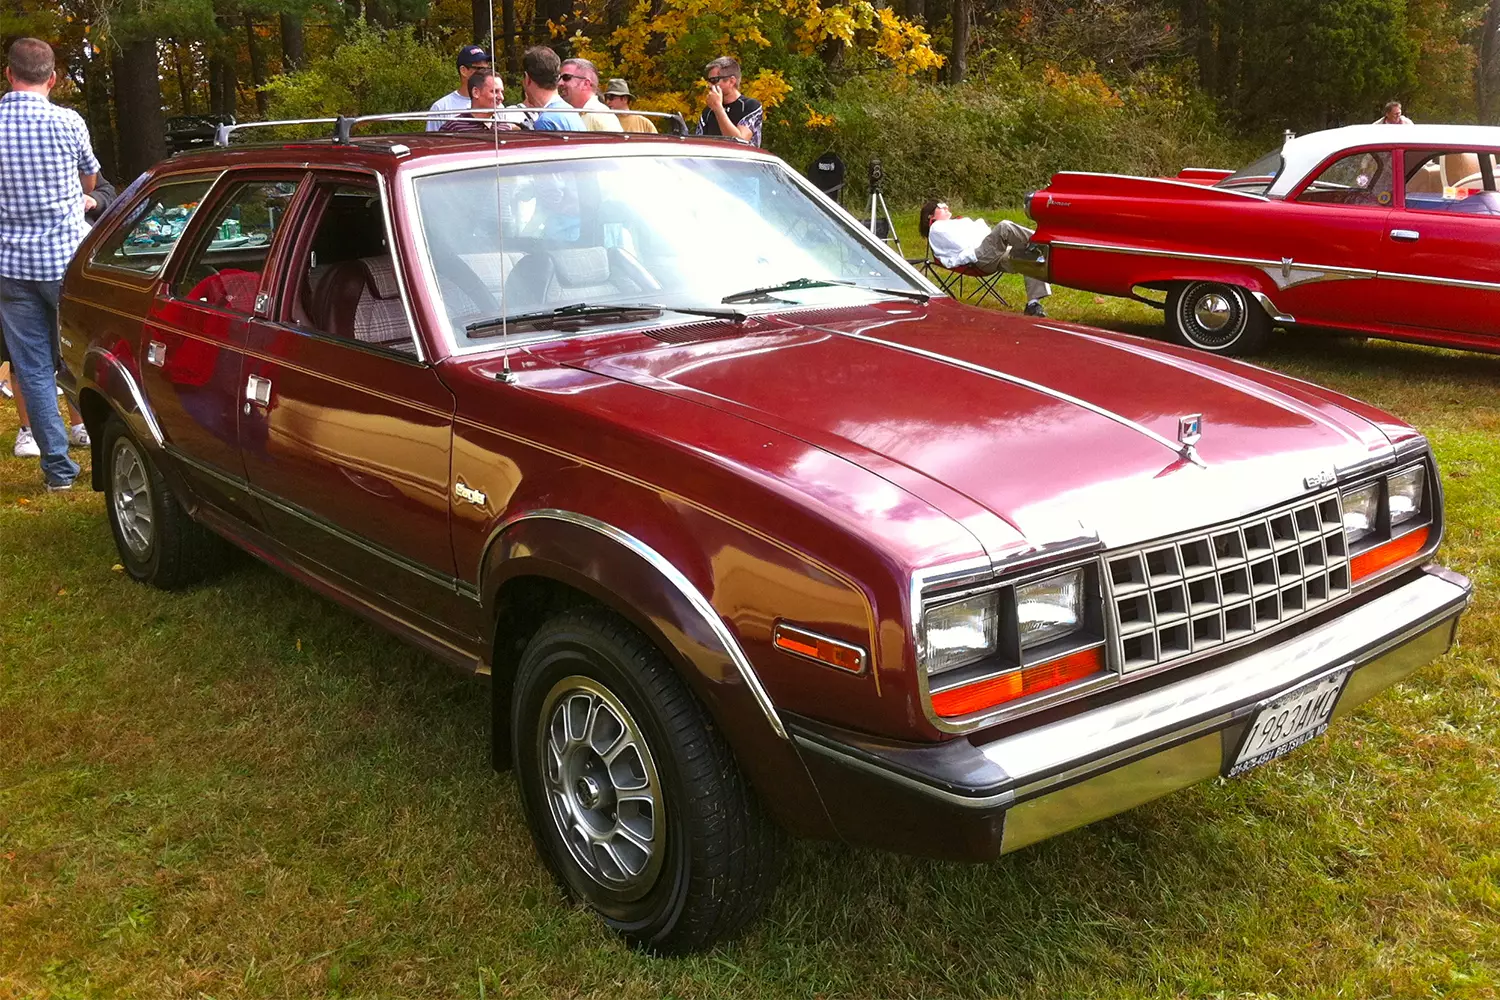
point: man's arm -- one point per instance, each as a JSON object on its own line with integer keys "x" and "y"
{"x": 88, "y": 181}
{"x": 727, "y": 127}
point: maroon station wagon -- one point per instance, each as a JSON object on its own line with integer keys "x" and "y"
{"x": 750, "y": 528}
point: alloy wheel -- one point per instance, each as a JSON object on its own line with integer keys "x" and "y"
{"x": 130, "y": 493}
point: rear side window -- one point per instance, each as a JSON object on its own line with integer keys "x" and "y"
{"x": 144, "y": 238}
{"x": 1356, "y": 179}
{"x": 226, "y": 266}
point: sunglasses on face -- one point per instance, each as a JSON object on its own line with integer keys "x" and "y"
{"x": 717, "y": 79}
{"x": 565, "y": 77}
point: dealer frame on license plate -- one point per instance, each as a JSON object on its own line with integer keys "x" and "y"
{"x": 1284, "y": 722}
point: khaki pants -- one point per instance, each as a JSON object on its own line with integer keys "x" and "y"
{"x": 991, "y": 256}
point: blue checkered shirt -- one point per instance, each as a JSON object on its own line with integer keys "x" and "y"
{"x": 43, "y": 149}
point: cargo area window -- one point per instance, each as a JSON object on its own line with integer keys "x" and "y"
{"x": 143, "y": 239}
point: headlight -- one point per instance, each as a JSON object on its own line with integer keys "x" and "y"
{"x": 1362, "y": 512}
{"x": 1050, "y": 609}
{"x": 961, "y": 632}
{"x": 1405, "y": 494}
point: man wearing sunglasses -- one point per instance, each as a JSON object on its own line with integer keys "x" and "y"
{"x": 729, "y": 112}
{"x": 578, "y": 84}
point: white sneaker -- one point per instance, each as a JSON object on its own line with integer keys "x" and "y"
{"x": 78, "y": 436}
{"x": 5, "y": 389}
{"x": 26, "y": 446}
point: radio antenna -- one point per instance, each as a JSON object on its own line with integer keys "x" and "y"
{"x": 506, "y": 375}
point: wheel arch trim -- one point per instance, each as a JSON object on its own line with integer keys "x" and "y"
{"x": 664, "y": 568}
{"x": 108, "y": 375}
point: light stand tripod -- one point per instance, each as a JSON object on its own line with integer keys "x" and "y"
{"x": 880, "y": 216}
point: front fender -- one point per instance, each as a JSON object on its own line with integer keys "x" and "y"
{"x": 628, "y": 576}
{"x": 110, "y": 379}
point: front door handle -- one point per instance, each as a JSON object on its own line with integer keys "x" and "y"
{"x": 257, "y": 391}
{"x": 1405, "y": 235}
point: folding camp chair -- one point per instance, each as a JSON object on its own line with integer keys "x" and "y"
{"x": 966, "y": 282}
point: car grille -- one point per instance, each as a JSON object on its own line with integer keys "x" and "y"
{"x": 1181, "y": 595}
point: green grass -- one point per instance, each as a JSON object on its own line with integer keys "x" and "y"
{"x": 242, "y": 791}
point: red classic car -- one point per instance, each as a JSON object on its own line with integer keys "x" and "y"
{"x": 747, "y": 525}
{"x": 1376, "y": 230}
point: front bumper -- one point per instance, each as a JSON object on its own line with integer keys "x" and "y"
{"x": 975, "y": 801}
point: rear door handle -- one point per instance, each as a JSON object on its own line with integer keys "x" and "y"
{"x": 257, "y": 391}
{"x": 1405, "y": 235}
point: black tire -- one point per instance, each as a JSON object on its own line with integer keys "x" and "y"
{"x": 714, "y": 856}
{"x": 165, "y": 547}
{"x": 1217, "y": 318}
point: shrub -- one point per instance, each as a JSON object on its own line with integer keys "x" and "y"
{"x": 374, "y": 71}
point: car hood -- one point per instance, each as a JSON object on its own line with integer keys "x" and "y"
{"x": 1058, "y": 432}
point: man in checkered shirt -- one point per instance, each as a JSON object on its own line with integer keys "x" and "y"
{"x": 46, "y": 167}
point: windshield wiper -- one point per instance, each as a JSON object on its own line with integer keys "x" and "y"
{"x": 585, "y": 311}
{"x": 796, "y": 284}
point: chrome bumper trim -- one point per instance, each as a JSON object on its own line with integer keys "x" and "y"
{"x": 1075, "y": 748}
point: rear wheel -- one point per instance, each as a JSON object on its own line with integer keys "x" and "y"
{"x": 634, "y": 800}
{"x": 158, "y": 543}
{"x": 1216, "y": 317}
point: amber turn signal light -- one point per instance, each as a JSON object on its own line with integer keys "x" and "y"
{"x": 818, "y": 647}
{"x": 994, "y": 691}
{"x": 1388, "y": 554}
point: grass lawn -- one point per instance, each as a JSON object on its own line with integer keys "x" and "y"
{"x": 242, "y": 791}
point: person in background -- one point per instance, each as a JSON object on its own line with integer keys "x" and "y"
{"x": 961, "y": 242}
{"x": 46, "y": 167}
{"x": 540, "y": 69}
{"x": 578, "y": 83}
{"x": 470, "y": 59}
{"x": 486, "y": 93}
{"x": 617, "y": 96}
{"x": 1393, "y": 115}
{"x": 728, "y": 111}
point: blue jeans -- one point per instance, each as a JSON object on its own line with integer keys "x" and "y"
{"x": 28, "y": 319}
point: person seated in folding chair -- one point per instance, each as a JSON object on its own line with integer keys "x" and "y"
{"x": 963, "y": 244}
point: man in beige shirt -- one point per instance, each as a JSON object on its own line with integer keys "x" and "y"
{"x": 578, "y": 83}
{"x": 617, "y": 96}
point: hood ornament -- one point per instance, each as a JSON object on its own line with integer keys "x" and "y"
{"x": 1189, "y": 431}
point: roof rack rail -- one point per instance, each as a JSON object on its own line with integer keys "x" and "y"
{"x": 343, "y": 125}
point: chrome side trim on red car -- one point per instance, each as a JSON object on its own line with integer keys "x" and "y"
{"x": 99, "y": 356}
{"x": 682, "y": 584}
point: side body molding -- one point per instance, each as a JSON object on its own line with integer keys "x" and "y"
{"x": 642, "y": 585}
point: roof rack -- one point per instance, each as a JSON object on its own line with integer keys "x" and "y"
{"x": 344, "y": 125}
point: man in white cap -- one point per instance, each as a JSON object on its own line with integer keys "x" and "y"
{"x": 617, "y": 96}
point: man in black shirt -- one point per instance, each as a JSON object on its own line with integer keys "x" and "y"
{"x": 729, "y": 112}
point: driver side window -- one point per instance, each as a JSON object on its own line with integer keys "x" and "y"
{"x": 1356, "y": 179}
{"x": 226, "y": 266}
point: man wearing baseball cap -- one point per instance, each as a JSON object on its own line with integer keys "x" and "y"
{"x": 470, "y": 58}
{"x": 617, "y": 96}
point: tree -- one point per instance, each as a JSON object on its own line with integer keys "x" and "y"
{"x": 1487, "y": 75}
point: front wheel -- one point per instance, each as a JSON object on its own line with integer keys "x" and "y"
{"x": 1217, "y": 318}
{"x": 633, "y": 798}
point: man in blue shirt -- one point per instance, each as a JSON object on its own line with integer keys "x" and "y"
{"x": 540, "y": 69}
{"x": 46, "y": 167}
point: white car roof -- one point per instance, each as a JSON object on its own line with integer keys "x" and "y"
{"x": 1305, "y": 152}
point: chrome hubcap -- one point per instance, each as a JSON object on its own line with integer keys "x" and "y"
{"x": 131, "y": 495}
{"x": 602, "y": 787}
{"x": 1212, "y": 311}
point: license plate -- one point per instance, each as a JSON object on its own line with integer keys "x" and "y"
{"x": 1284, "y": 723}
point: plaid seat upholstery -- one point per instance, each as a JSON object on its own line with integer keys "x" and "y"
{"x": 379, "y": 317}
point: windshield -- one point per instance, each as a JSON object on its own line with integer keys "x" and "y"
{"x": 1256, "y": 178}
{"x": 682, "y": 233}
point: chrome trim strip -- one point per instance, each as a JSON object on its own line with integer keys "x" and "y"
{"x": 1173, "y": 446}
{"x": 1068, "y": 749}
{"x": 1352, "y": 272}
{"x": 308, "y": 517}
{"x": 1270, "y": 307}
{"x": 1425, "y": 279}
{"x": 807, "y": 635}
{"x": 684, "y": 586}
{"x": 110, "y": 361}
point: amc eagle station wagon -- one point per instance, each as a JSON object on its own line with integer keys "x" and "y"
{"x": 750, "y": 528}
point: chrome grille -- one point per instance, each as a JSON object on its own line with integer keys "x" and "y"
{"x": 1181, "y": 595}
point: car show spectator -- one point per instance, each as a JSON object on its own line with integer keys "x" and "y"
{"x": 486, "y": 94}
{"x": 961, "y": 241}
{"x": 47, "y": 165}
{"x": 545, "y": 109}
{"x": 470, "y": 59}
{"x": 617, "y": 96}
{"x": 1393, "y": 115}
{"x": 578, "y": 83}
{"x": 729, "y": 112}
